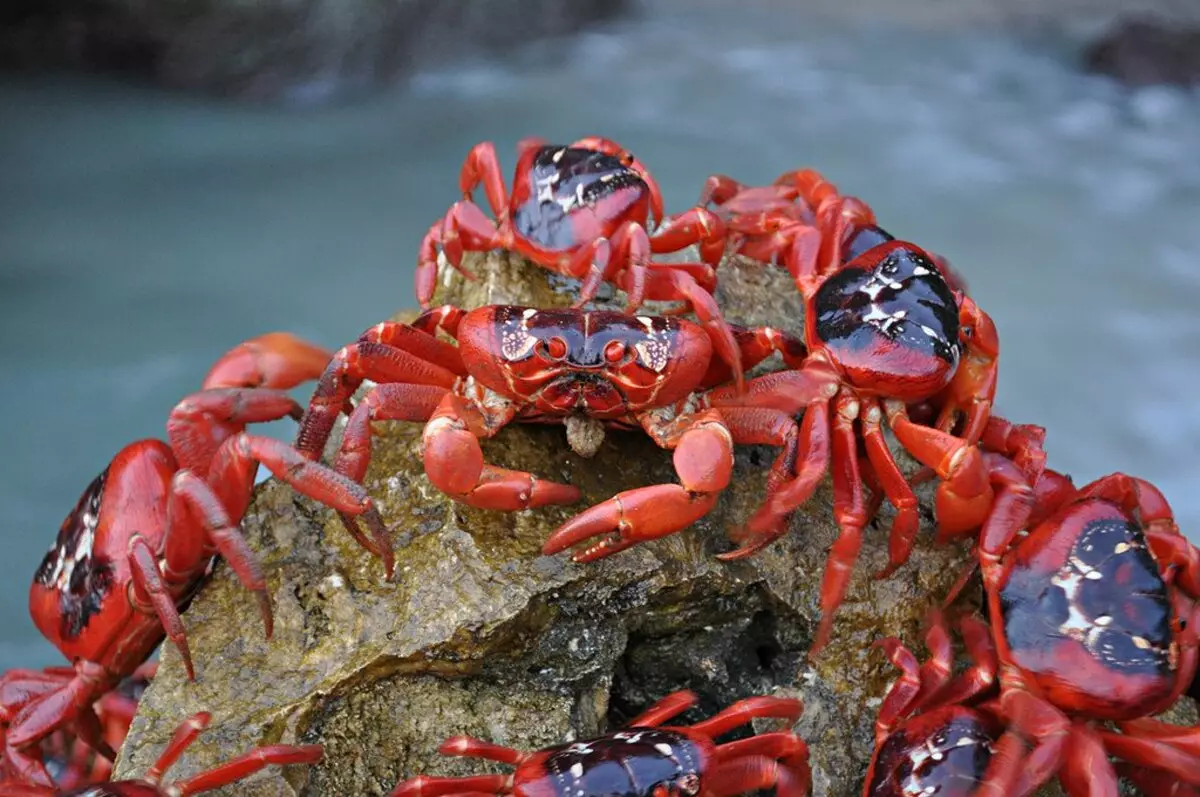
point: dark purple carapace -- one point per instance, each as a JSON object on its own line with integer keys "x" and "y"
{"x": 565, "y": 180}
{"x": 1106, "y": 595}
{"x": 642, "y": 762}
{"x": 894, "y": 297}
{"x": 601, "y": 364}
{"x": 72, "y": 568}
{"x": 864, "y": 238}
{"x": 944, "y": 753}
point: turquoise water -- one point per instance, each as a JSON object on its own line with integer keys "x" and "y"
{"x": 142, "y": 234}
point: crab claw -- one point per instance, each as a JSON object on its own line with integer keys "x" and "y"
{"x": 628, "y": 518}
{"x": 277, "y": 360}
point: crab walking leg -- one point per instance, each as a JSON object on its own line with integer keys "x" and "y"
{"x": 391, "y": 402}
{"x": 201, "y": 422}
{"x": 741, "y": 775}
{"x": 278, "y": 360}
{"x": 670, "y": 706}
{"x": 767, "y": 524}
{"x": 743, "y": 711}
{"x": 470, "y": 747}
{"x": 40, "y": 718}
{"x": 386, "y": 353}
{"x": 704, "y": 463}
{"x": 454, "y": 460}
{"x": 242, "y": 454}
{"x": 1030, "y": 718}
{"x": 699, "y": 226}
{"x": 482, "y": 166}
{"x": 197, "y": 521}
{"x": 470, "y": 786}
{"x": 850, "y": 513}
{"x": 907, "y": 521}
{"x": 1167, "y": 748}
{"x": 1085, "y": 768}
{"x": 1159, "y": 784}
{"x": 150, "y": 591}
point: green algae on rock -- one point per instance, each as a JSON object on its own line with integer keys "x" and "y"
{"x": 481, "y": 634}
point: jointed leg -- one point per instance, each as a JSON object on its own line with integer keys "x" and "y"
{"x": 151, "y": 594}
{"x": 385, "y": 353}
{"x": 743, "y": 711}
{"x": 907, "y": 521}
{"x": 751, "y": 773}
{"x": 1159, "y": 745}
{"x": 670, "y": 706}
{"x": 482, "y": 166}
{"x": 241, "y": 455}
{"x": 850, "y": 513}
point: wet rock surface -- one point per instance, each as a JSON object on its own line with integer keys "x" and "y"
{"x": 1147, "y": 51}
{"x": 279, "y": 49}
{"x": 480, "y": 634}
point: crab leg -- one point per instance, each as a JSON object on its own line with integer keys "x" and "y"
{"x": 741, "y": 775}
{"x": 743, "y": 711}
{"x": 197, "y": 522}
{"x": 471, "y": 786}
{"x": 850, "y": 513}
{"x": 454, "y": 461}
{"x": 907, "y": 521}
{"x": 477, "y": 748}
{"x": 277, "y": 360}
{"x": 704, "y": 462}
{"x": 387, "y": 352}
{"x": 149, "y": 589}
{"x": 390, "y": 402}
{"x": 482, "y": 166}
{"x": 670, "y": 706}
{"x": 201, "y": 422}
{"x": 698, "y": 226}
{"x": 42, "y": 717}
{"x": 1158, "y": 745}
{"x": 240, "y": 456}
{"x": 247, "y": 764}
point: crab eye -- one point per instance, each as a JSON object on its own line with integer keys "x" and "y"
{"x": 614, "y": 352}
{"x": 968, "y": 331}
{"x": 556, "y": 348}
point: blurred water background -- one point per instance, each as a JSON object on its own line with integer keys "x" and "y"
{"x": 144, "y": 233}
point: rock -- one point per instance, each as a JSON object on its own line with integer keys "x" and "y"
{"x": 279, "y": 49}
{"x": 480, "y": 634}
{"x": 1146, "y": 51}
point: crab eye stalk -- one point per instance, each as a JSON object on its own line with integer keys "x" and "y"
{"x": 614, "y": 352}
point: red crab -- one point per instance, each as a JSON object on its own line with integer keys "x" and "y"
{"x": 143, "y": 535}
{"x": 1094, "y": 615}
{"x": 582, "y": 210}
{"x": 586, "y": 370}
{"x": 882, "y": 331}
{"x": 798, "y": 215}
{"x": 646, "y": 759}
{"x": 151, "y": 785}
{"x": 929, "y": 738}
